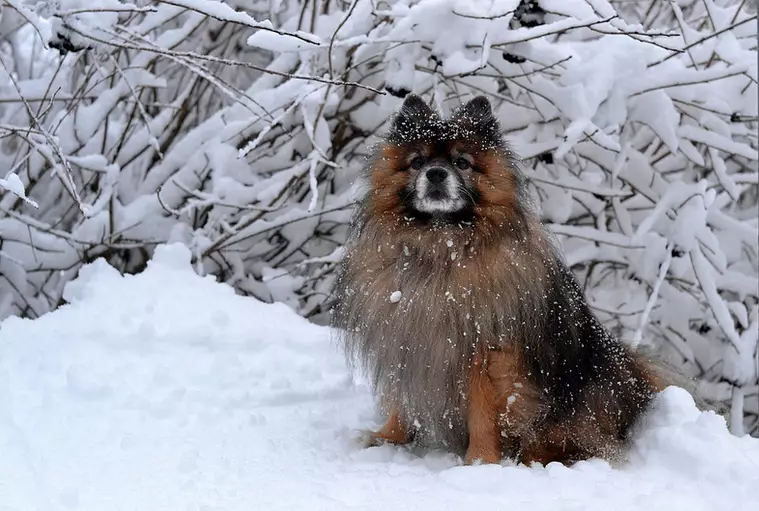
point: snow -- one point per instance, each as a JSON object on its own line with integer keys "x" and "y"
{"x": 209, "y": 122}
{"x": 220, "y": 11}
{"x": 167, "y": 391}
{"x": 13, "y": 184}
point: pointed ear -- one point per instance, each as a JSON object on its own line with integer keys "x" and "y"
{"x": 414, "y": 106}
{"x": 477, "y": 117}
{"x": 413, "y": 113}
{"x": 478, "y": 110}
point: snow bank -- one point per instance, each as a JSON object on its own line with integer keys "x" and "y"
{"x": 166, "y": 391}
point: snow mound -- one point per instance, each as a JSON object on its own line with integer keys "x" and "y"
{"x": 166, "y": 391}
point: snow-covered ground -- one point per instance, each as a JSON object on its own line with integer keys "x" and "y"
{"x": 166, "y": 391}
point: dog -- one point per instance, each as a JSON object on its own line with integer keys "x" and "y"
{"x": 457, "y": 302}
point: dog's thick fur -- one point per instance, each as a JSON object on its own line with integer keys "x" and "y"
{"x": 491, "y": 350}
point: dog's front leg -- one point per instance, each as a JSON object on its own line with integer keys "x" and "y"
{"x": 482, "y": 418}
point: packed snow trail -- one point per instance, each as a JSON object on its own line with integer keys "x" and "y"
{"x": 165, "y": 391}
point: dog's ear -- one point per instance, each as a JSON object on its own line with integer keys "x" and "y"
{"x": 411, "y": 118}
{"x": 478, "y": 109}
{"x": 414, "y": 107}
{"x": 477, "y": 117}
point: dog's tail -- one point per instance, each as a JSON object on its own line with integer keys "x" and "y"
{"x": 664, "y": 374}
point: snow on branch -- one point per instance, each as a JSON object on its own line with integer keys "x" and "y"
{"x": 239, "y": 127}
{"x": 14, "y": 185}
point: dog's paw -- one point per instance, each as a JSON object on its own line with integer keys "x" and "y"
{"x": 366, "y": 438}
{"x": 481, "y": 458}
{"x": 378, "y": 438}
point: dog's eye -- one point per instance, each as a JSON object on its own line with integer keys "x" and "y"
{"x": 417, "y": 163}
{"x": 462, "y": 163}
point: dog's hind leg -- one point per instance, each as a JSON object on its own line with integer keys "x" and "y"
{"x": 393, "y": 432}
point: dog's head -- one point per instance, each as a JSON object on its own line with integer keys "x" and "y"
{"x": 444, "y": 169}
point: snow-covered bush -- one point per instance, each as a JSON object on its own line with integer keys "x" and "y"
{"x": 238, "y": 128}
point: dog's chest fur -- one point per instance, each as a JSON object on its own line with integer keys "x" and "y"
{"x": 419, "y": 312}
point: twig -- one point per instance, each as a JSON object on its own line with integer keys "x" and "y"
{"x": 239, "y": 18}
{"x": 663, "y": 269}
{"x": 70, "y": 186}
{"x": 714, "y": 34}
{"x": 491, "y": 17}
{"x": 218, "y": 60}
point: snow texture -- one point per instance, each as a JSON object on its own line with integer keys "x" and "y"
{"x": 238, "y": 128}
{"x": 166, "y": 391}
{"x": 13, "y": 184}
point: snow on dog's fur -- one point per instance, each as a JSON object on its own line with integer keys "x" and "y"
{"x": 491, "y": 349}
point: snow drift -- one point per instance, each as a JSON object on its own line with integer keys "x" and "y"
{"x": 167, "y": 391}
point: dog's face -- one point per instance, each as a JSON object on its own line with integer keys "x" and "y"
{"x": 450, "y": 169}
{"x": 439, "y": 179}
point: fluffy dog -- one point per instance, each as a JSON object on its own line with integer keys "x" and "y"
{"x": 453, "y": 297}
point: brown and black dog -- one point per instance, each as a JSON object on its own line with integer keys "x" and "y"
{"x": 453, "y": 297}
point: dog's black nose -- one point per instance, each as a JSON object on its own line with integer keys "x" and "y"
{"x": 436, "y": 175}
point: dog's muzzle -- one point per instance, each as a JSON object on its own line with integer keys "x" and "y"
{"x": 437, "y": 191}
